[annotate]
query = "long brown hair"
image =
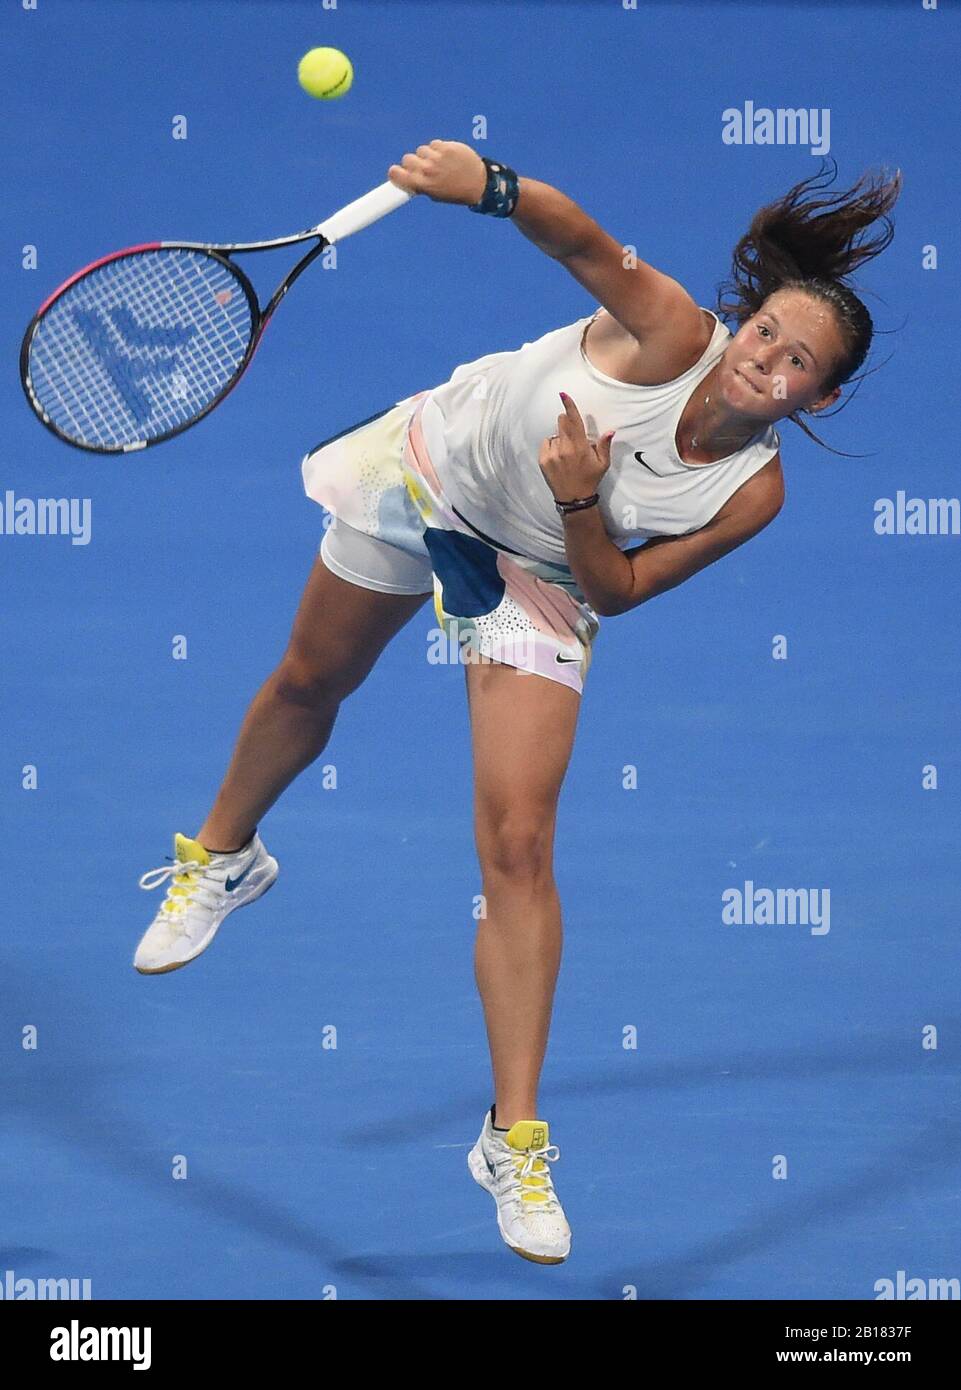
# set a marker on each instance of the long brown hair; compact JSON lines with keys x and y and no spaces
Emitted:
{"x":814,"y":246}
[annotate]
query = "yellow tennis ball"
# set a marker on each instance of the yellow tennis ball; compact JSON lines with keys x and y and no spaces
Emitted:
{"x":325,"y":73}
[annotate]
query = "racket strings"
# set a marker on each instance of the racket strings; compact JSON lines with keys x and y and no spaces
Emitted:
{"x":139,"y":346}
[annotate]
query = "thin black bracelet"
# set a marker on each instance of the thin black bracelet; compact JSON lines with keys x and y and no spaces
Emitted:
{"x":579,"y":504}
{"x":501,"y":193}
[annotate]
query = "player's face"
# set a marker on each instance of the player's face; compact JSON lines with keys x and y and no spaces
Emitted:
{"x":781,"y":356}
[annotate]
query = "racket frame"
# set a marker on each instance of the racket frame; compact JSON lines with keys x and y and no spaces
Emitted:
{"x":259,"y":318}
{"x":363,"y":211}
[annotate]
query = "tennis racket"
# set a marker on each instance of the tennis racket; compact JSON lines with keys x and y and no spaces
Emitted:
{"x":142,"y":344}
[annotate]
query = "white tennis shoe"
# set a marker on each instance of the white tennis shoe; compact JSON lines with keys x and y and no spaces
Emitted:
{"x":514,"y":1168}
{"x":202,"y":890}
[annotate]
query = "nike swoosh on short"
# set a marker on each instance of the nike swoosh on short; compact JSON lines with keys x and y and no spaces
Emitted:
{"x":233,"y":883}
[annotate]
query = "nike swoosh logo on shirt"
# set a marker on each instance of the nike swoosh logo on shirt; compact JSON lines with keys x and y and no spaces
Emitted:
{"x":233,"y":883}
{"x":639,"y":458}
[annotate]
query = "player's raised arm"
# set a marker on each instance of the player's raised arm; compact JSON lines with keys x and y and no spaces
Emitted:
{"x":640,"y":297}
{"x":633,"y":292}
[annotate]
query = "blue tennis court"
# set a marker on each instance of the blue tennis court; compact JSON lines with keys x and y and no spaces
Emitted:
{"x":745,"y":1109}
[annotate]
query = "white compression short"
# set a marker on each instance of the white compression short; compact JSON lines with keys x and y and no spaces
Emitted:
{"x":373,"y":564}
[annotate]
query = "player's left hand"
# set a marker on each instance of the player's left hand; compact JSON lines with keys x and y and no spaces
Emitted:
{"x":572,"y":466}
{"x":446,"y":170}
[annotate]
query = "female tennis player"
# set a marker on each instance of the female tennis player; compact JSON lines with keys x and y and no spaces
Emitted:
{"x":532,"y":493}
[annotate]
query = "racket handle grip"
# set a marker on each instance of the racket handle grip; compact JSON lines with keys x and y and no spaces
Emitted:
{"x":363,"y":211}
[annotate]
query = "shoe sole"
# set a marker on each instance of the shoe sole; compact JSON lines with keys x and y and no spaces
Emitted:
{"x":179,"y":964}
{"x":478,"y":1171}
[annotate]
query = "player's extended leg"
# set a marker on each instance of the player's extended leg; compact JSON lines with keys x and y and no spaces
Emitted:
{"x":339,"y":632}
{"x":522,"y":728}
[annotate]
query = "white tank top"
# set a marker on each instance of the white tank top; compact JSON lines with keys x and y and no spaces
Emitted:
{"x":484,"y":428}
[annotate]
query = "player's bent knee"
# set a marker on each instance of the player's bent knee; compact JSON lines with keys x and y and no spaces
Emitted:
{"x":306,"y":680}
{"x":516,"y":849}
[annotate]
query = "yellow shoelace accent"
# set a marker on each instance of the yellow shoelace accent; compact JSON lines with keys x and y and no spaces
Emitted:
{"x":178,"y":898}
{"x":532,"y":1173}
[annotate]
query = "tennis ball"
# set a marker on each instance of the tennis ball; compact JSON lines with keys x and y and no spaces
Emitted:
{"x":325,"y":73}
